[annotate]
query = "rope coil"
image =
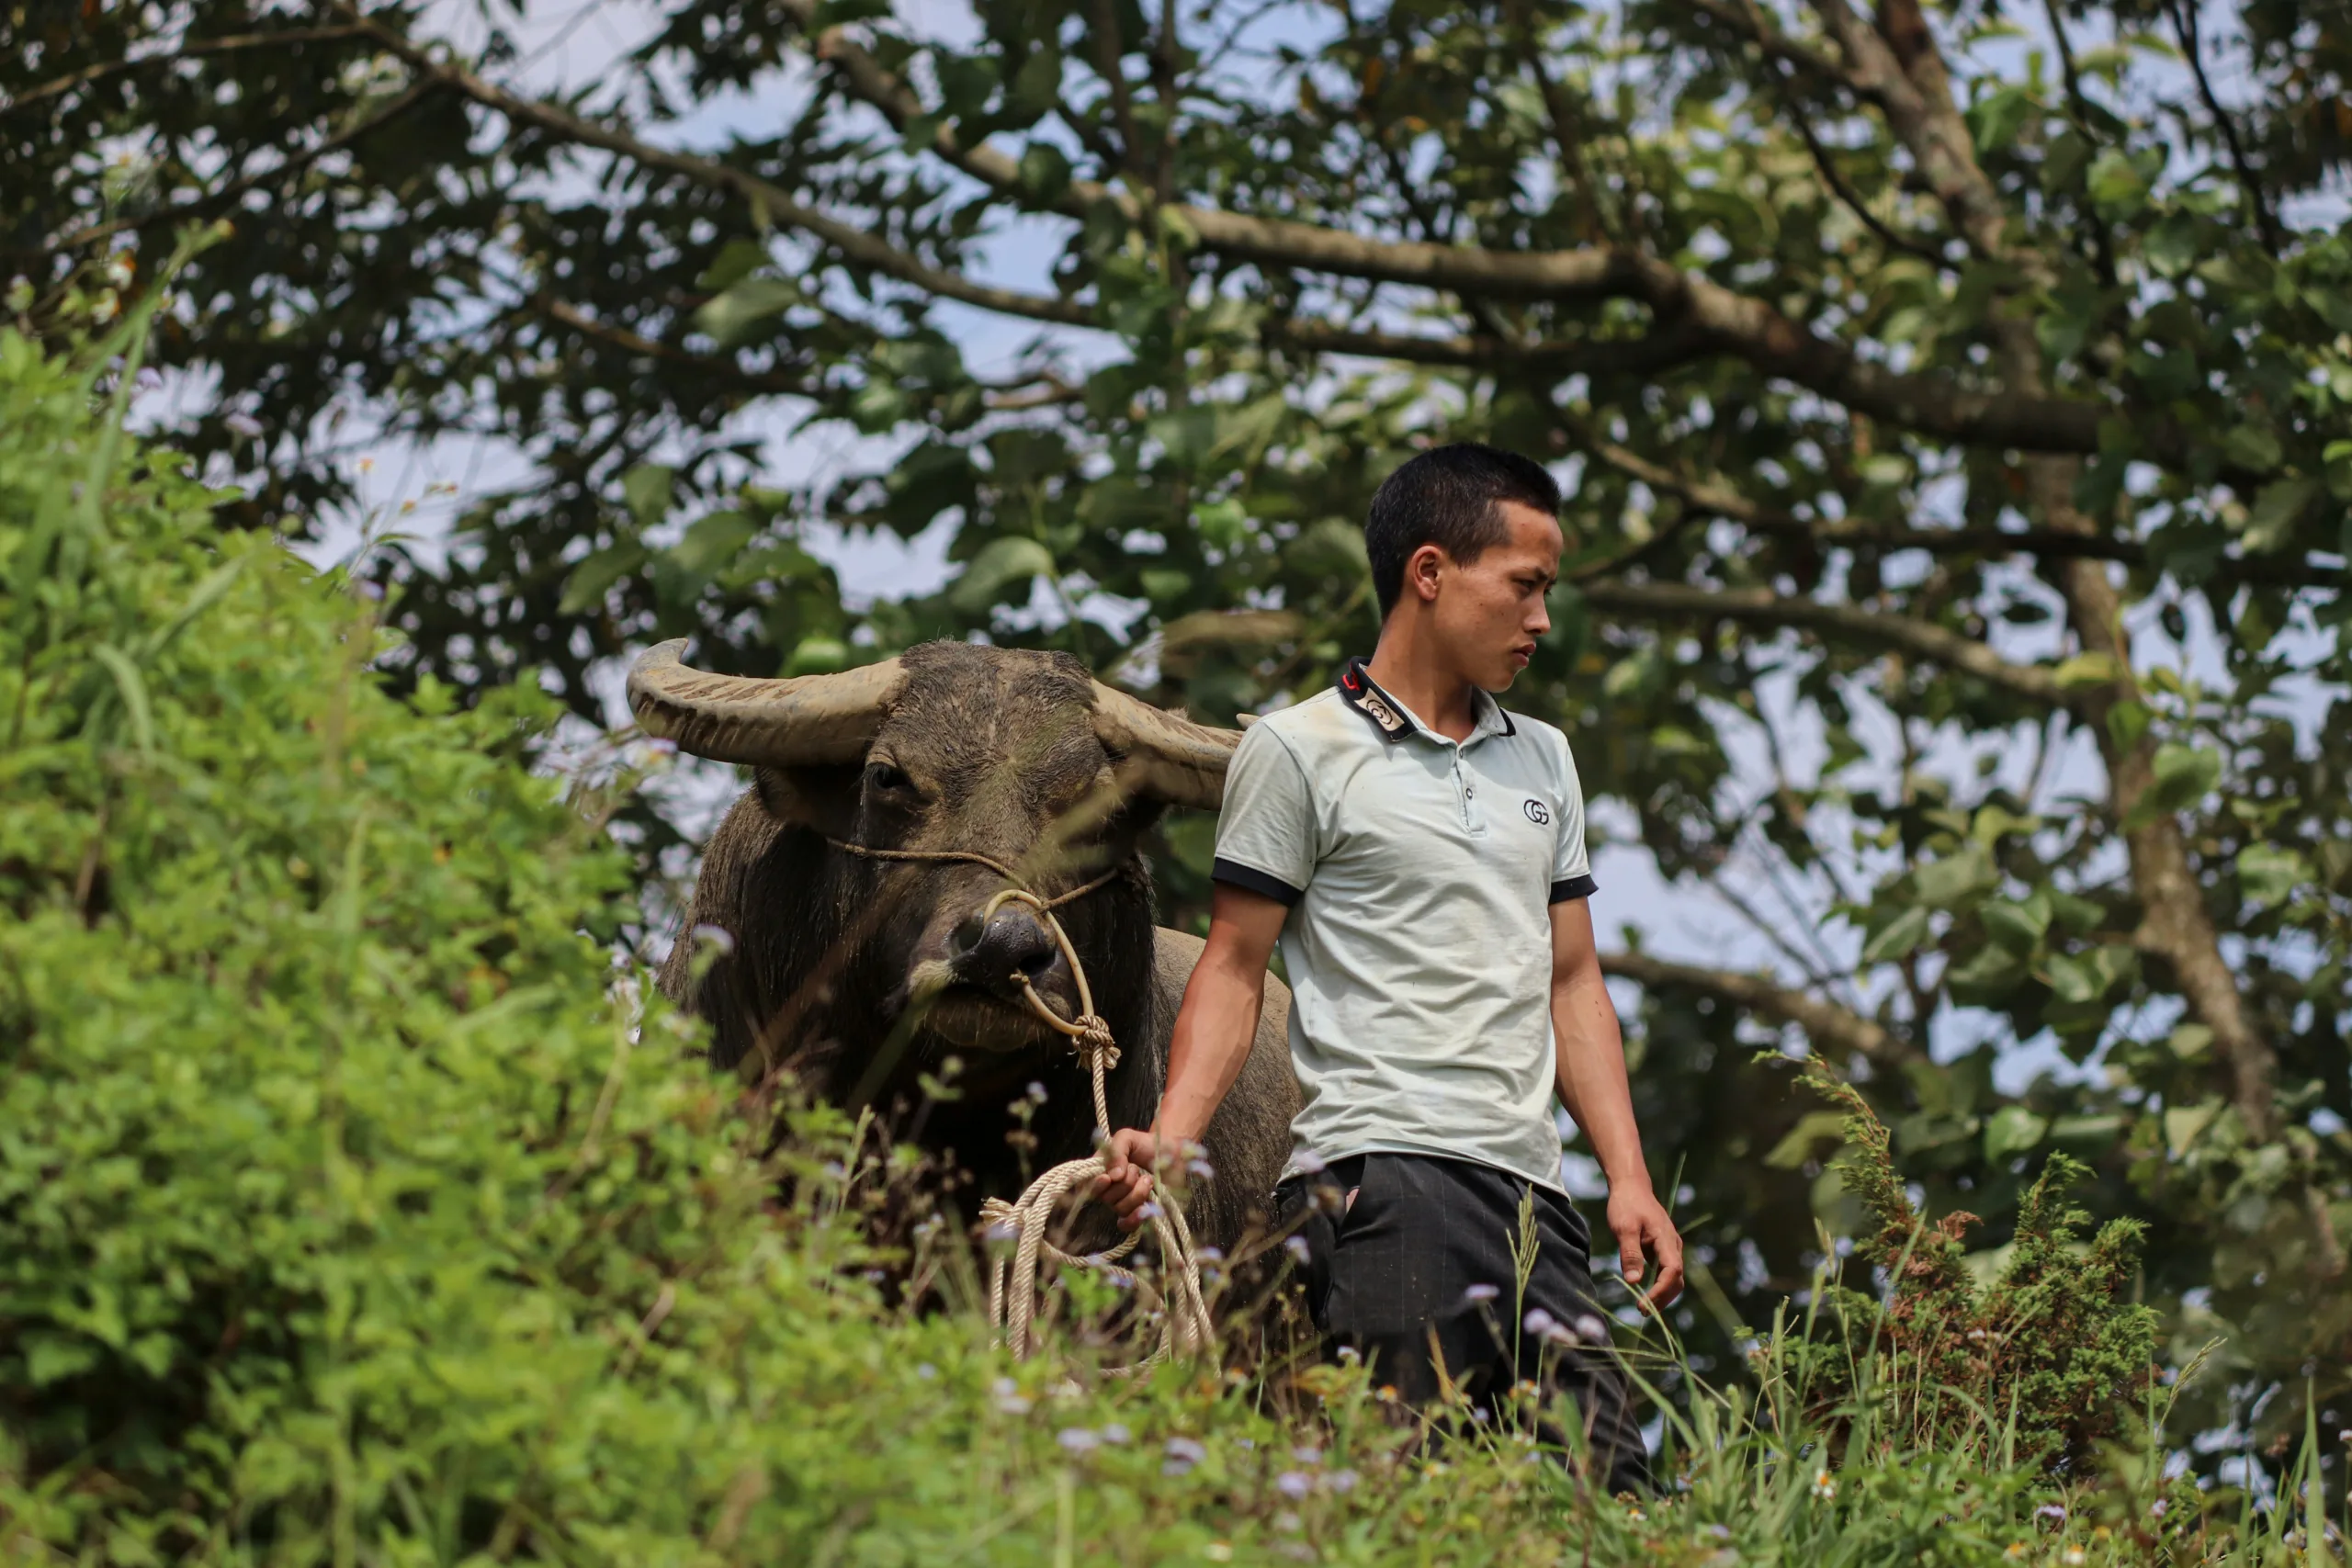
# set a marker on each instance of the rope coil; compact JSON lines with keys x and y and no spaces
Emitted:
{"x":1185,"y":1326}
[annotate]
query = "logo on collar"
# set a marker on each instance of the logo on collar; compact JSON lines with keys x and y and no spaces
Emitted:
{"x":1357,"y":690}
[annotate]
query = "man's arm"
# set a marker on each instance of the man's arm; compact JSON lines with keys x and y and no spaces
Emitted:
{"x":1215,"y":1029}
{"x":1592,"y":1086}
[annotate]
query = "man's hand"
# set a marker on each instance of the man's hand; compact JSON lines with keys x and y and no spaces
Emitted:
{"x":1643,"y":1224}
{"x":1131,"y":1157}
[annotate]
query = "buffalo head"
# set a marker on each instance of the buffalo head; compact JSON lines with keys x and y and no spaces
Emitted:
{"x":853,"y":942}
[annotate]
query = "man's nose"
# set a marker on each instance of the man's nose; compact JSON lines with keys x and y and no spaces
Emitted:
{"x":1004,"y":948}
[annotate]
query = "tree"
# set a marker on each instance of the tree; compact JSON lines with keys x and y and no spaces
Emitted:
{"x":1952,"y":398}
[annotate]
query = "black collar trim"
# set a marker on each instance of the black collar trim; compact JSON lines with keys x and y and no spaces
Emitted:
{"x":1362,"y":692}
{"x":1359,"y":691}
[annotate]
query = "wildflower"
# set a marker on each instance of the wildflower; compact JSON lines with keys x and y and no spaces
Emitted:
{"x":1116,"y":1432}
{"x":1296,"y":1246}
{"x":1524,"y":1388}
{"x":1387,"y":1394}
{"x":1150,"y":1211}
{"x":1539,"y":1322}
{"x":1825,"y":1486}
{"x":1479,"y":1294}
{"x":1172,"y":1468}
{"x":1341,"y":1481}
{"x":1720,"y":1531}
{"x":1977,"y":1337}
{"x":2052,"y":1511}
{"x":1003,"y":1230}
{"x":2159,"y":1508}
{"x":1350,"y":1354}
{"x":1634,"y":1512}
{"x":1200,"y":1168}
{"x":1185,"y":1448}
{"x":1290,"y":1523}
{"x":1294,"y":1484}
{"x":662,"y":746}
{"x":1210,"y":1254}
{"x":1012,"y":1405}
{"x":1217,"y":1552}
{"x":718,"y":939}
{"x":242,"y":425}
{"x":1307,"y":1455}
{"x":1037,"y":1094}
{"x":1245,"y":1442}
{"x":926,"y":1370}
{"x":2075,"y":1557}
{"x":1592,"y":1329}
{"x":2017,"y":1549}
{"x":832,"y":1170}
{"x":1078,"y":1439}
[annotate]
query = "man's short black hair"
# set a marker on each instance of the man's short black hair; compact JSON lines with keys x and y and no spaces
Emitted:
{"x":1453,"y":498}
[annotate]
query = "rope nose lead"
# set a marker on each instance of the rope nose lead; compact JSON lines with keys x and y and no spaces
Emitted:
{"x":1185,"y":1328}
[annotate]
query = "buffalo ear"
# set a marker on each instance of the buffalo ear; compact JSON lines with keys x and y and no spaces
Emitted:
{"x":823,"y":799}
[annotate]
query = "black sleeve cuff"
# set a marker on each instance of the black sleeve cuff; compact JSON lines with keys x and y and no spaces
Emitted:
{"x":1250,"y":879}
{"x":1574,"y":888}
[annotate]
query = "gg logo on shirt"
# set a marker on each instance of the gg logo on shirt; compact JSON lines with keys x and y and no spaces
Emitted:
{"x":1537,"y":812}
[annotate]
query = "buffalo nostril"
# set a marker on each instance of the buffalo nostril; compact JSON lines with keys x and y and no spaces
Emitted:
{"x":1012,"y":943}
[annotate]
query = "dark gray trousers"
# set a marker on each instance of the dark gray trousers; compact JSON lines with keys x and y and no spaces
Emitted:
{"x":1390,"y":1271}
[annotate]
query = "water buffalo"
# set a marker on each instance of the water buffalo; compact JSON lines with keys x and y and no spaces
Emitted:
{"x":866,"y":972}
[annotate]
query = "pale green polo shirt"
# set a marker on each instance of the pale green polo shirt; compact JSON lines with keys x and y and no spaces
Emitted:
{"x":1420,"y":876}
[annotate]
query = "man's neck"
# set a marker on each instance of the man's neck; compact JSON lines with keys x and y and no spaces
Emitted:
{"x":1405,"y":666}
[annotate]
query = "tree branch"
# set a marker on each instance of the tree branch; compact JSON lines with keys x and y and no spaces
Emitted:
{"x":2184,"y":27}
{"x":1748,"y":23}
{"x":1762,"y":606}
{"x":1831,"y":1029}
{"x":763,"y":197}
{"x":719,"y":366}
{"x":189,"y":48}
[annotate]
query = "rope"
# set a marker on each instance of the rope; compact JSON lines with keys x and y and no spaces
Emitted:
{"x":1185,"y":1328}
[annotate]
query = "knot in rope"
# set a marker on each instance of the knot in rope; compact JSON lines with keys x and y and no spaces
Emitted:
{"x":1093,"y":1042}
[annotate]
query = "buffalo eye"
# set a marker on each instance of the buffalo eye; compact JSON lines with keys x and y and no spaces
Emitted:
{"x":888,"y":778}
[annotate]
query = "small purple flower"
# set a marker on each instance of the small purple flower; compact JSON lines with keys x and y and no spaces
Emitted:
{"x":148,"y":379}
{"x":1342,"y":1481}
{"x":1003,"y":1230}
{"x":1078,"y":1440}
{"x":1307,"y":1455}
{"x":1481,"y":1293}
{"x":242,"y":425}
{"x":1115,"y":1433}
{"x":1294,"y":1484}
{"x":1175,"y":1467}
{"x":2056,"y":1511}
{"x":926,"y":1370}
{"x":1200,"y":1168}
{"x":1210,"y":1254}
{"x":1539,"y":1322}
{"x":1150,"y":1211}
{"x":1296,"y":1246}
{"x":1592,"y":1329}
{"x":1186,"y":1449}
{"x":718,"y":939}
{"x":661,"y":746}
{"x":832,"y":1170}
{"x":2159,"y":1508}
{"x":1037,"y":1093}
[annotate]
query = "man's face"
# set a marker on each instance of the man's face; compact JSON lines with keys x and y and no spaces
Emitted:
{"x":1489,"y":613}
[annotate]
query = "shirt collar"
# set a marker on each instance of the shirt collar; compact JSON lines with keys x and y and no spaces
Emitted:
{"x":1395,"y":720}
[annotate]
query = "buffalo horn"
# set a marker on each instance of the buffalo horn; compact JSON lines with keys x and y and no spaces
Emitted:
{"x":808,"y":720}
{"x":1179,"y":762}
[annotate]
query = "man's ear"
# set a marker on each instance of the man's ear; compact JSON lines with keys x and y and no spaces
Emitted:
{"x":823,"y":799}
{"x":1423,"y":570}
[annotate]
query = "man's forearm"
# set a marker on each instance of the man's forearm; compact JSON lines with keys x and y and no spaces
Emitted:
{"x":1592,"y":1081}
{"x":1215,"y":1029}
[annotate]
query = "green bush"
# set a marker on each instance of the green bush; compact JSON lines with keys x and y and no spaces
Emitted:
{"x":356,"y":1207}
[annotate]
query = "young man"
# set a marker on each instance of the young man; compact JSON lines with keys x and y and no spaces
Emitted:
{"x":1419,"y":853}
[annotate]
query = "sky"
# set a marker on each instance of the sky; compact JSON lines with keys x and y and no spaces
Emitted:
{"x":565,"y":45}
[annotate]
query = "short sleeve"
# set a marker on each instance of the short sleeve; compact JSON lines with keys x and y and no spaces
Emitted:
{"x":1571,"y":871}
{"x":1265,"y":834}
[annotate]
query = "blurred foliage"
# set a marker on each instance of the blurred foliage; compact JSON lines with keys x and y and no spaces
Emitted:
{"x":1834,"y":303}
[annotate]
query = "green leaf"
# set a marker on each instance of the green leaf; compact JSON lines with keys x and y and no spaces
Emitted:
{"x":736,"y":260}
{"x":2184,"y":774}
{"x":1815,"y":1133}
{"x":1994,"y":121}
{"x":736,"y":313}
{"x":1988,"y":977}
{"x":2084,"y":671}
{"x":1044,"y":173}
{"x":2187,"y":1124}
{"x":2277,"y":507}
{"x":2013,"y":1130}
{"x":1000,"y":564}
{"x":2016,"y":927}
{"x":2119,"y":183}
{"x":832,"y":14}
{"x":818,"y":655}
{"x":645,"y":491}
{"x":2268,"y":872}
{"x":594,"y":576}
{"x":1957,"y":880}
{"x":1898,"y":938}
{"x":2254,"y":448}
{"x":711,"y":543}
{"x":133,"y":690}
{"x":2173,"y":246}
